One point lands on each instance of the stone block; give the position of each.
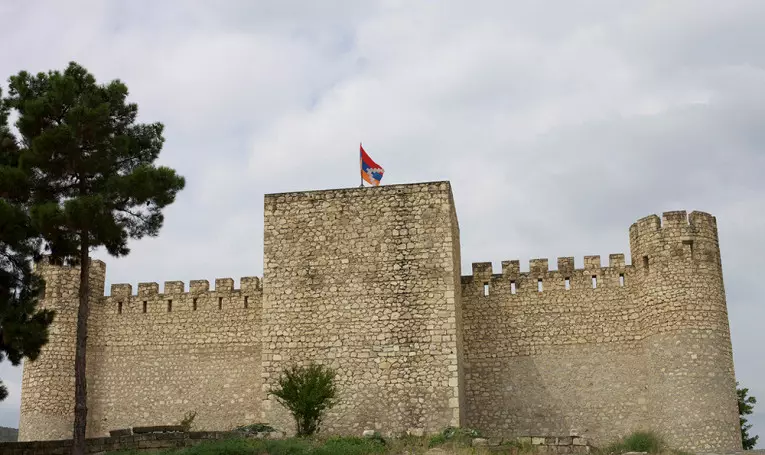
(158, 429)
(480, 442)
(565, 440)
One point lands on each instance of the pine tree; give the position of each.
(746, 407)
(94, 183)
(23, 328)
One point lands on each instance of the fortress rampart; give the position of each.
(367, 280)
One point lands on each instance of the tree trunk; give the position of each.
(80, 385)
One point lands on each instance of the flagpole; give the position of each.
(361, 177)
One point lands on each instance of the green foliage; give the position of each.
(643, 441)
(307, 392)
(350, 446)
(85, 170)
(292, 446)
(455, 435)
(746, 407)
(93, 174)
(639, 441)
(188, 420)
(23, 327)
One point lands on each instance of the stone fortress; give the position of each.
(368, 281)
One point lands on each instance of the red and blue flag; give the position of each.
(371, 172)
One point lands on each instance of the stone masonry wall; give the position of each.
(47, 398)
(618, 349)
(543, 359)
(364, 280)
(368, 281)
(187, 351)
(190, 351)
(686, 337)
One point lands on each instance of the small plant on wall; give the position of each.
(188, 420)
(307, 392)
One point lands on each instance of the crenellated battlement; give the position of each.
(175, 298)
(688, 237)
(541, 279)
(695, 222)
(539, 267)
(222, 285)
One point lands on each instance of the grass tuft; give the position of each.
(291, 446)
(639, 441)
(454, 435)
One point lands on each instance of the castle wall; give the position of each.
(151, 368)
(368, 282)
(555, 361)
(363, 280)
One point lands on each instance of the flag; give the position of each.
(371, 172)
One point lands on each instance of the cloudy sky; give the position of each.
(557, 123)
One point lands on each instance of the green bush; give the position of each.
(639, 441)
(643, 441)
(307, 392)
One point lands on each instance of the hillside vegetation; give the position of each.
(9, 434)
(449, 442)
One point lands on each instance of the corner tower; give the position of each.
(47, 390)
(686, 335)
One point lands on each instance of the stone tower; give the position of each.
(366, 280)
(686, 336)
(47, 398)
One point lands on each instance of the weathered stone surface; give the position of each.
(368, 281)
(479, 442)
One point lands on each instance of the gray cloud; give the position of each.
(558, 124)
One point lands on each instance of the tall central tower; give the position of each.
(367, 281)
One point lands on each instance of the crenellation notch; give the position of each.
(122, 289)
(224, 284)
(148, 289)
(174, 287)
(199, 286)
(249, 283)
(566, 264)
(511, 268)
(592, 262)
(482, 270)
(616, 260)
(677, 218)
(538, 266)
